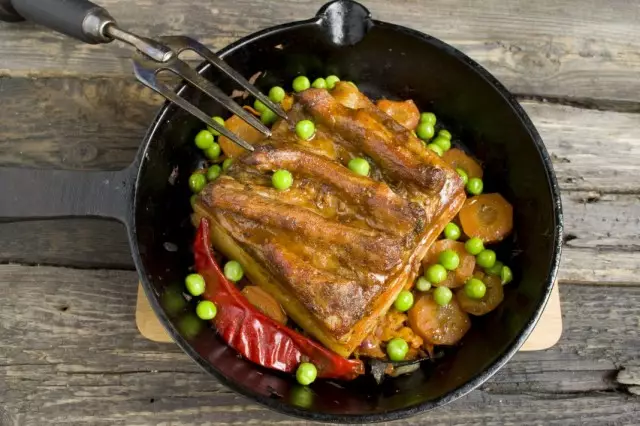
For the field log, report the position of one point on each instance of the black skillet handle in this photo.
(346, 22)
(31, 194)
(80, 19)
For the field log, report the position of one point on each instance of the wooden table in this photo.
(70, 352)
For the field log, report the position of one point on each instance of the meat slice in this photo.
(377, 141)
(378, 251)
(387, 209)
(339, 302)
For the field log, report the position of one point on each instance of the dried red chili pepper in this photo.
(256, 336)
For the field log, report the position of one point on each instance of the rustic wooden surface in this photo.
(70, 352)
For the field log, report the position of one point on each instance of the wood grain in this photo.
(99, 124)
(76, 356)
(81, 243)
(545, 47)
(73, 123)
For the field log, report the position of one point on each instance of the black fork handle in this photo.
(80, 19)
(32, 194)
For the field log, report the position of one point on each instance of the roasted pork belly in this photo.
(336, 248)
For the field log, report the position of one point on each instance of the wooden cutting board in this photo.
(545, 335)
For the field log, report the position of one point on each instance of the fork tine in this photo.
(185, 71)
(211, 57)
(148, 78)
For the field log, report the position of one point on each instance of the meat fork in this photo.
(92, 24)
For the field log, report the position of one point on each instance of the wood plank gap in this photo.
(608, 105)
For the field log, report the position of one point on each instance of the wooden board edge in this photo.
(549, 328)
(147, 322)
(546, 334)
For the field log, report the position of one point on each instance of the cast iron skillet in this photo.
(151, 197)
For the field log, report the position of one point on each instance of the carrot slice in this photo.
(457, 158)
(438, 325)
(492, 298)
(464, 271)
(238, 126)
(487, 216)
(287, 102)
(405, 113)
(265, 303)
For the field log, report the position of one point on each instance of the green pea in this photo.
(259, 106)
(301, 83)
(475, 186)
(218, 120)
(305, 129)
(423, 284)
(190, 325)
(506, 275)
(319, 83)
(463, 175)
(306, 373)
(404, 301)
(331, 81)
(173, 301)
(226, 164)
(213, 172)
(474, 246)
(233, 271)
(204, 139)
(301, 396)
(445, 134)
(436, 273)
(276, 94)
(213, 152)
(197, 181)
(475, 288)
(195, 284)
(206, 310)
(428, 118)
(282, 179)
(397, 349)
(192, 200)
(452, 231)
(496, 269)
(268, 117)
(443, 143)
(425, 131)
(442, 296)
(486, 258)
(449, 259)
(436, 148)
(359, 166)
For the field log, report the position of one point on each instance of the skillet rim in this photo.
(279, 405)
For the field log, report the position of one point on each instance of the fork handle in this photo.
(80, 19)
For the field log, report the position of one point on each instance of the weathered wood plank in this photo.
(602, 234)
(71, 354)
(591, 150)
(73, 123)
(544, 47)
(80, 243)
(99, 123)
